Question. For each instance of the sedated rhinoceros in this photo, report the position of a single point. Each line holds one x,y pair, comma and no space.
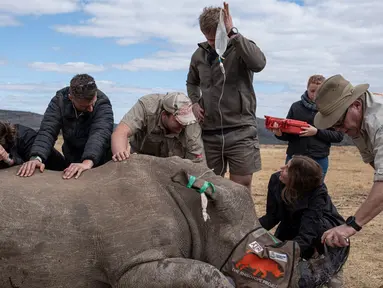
122,224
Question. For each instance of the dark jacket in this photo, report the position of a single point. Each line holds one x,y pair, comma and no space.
317,146
87,136
305,221
20,149
238,104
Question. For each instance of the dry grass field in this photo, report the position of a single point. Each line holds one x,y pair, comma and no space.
349,181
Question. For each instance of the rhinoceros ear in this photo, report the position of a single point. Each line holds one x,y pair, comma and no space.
198,184
181,177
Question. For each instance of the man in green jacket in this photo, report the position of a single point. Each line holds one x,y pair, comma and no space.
225,104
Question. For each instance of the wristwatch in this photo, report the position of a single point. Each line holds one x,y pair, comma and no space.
351,222
233,31
9,159
36,158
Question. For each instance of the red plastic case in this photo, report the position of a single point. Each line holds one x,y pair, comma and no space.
290,126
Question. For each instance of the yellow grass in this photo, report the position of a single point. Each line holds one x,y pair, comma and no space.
349,181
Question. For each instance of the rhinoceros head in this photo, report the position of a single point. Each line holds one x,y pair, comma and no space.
231,216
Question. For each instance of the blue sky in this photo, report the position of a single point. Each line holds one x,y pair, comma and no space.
133,48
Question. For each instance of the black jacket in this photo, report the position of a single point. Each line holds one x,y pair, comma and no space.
87,136
20,149
317,146
305,222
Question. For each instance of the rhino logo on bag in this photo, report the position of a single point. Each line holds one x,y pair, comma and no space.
259,265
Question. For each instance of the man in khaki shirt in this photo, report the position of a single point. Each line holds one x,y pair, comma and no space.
358,113
161,125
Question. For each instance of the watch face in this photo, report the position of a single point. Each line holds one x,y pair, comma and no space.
235,30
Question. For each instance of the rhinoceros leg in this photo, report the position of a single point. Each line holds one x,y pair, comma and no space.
174,272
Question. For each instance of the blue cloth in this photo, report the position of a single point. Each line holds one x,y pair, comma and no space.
323,162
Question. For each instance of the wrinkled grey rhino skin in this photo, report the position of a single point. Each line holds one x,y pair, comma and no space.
119,225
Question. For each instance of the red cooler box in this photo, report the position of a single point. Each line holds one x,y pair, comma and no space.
286,125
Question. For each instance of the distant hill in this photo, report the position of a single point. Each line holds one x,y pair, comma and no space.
29,119
33,120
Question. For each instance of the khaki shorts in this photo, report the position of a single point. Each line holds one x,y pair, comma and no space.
241,151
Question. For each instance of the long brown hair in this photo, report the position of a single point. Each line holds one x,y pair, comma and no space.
304,175
7,134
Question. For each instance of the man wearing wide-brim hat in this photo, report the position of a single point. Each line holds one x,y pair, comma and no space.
358,113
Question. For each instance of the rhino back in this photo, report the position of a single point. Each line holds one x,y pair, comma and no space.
92,227
88,232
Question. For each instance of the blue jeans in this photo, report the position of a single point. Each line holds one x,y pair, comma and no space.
323,162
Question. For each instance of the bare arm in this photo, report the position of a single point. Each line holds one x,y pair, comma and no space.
372,206
120,137
132,121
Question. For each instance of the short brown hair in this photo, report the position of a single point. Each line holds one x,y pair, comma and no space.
304,175
7,134
316,79
208,20
83,86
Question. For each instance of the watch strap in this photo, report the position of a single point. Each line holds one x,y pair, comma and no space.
232,32
351,222
36,158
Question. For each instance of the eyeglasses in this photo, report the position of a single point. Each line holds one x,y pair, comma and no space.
340,122
86,89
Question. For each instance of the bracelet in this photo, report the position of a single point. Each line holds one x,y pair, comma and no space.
8,160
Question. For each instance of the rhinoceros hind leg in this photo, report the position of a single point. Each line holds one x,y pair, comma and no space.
174,272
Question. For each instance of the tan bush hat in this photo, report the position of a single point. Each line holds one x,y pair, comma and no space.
333,98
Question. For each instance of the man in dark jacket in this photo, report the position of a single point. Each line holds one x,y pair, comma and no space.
225,104
85,116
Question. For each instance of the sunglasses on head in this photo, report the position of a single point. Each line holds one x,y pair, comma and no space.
87,88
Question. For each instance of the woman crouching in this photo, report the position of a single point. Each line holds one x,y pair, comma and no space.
15,146
298,200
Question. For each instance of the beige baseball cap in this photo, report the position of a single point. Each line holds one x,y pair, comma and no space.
180,106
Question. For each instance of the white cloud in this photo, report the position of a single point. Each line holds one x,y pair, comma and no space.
110,87
10,9
8,20
38,7
161,61
70,67
17,96
322,37
326,37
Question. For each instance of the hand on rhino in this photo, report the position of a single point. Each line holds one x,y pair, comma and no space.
29,167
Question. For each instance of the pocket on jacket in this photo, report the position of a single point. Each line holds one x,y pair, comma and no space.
248,103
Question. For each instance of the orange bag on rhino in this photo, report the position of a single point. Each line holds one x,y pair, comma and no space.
261,260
